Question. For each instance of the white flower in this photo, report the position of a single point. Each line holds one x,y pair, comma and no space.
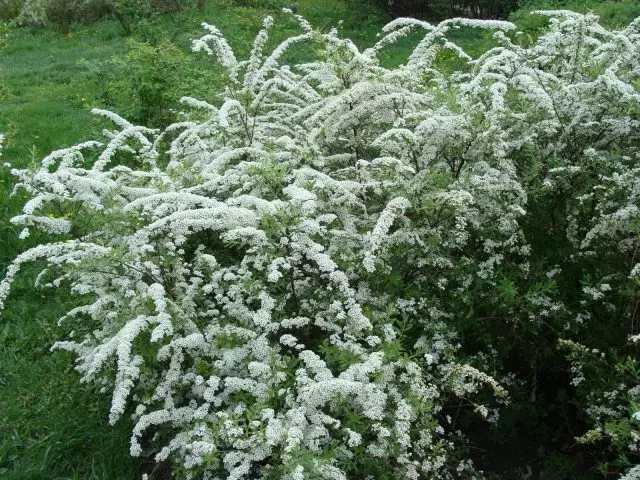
265,277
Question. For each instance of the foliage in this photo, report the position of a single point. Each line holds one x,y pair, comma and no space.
339,258
266,4
612,13
62,14
2,89
438,9
148,81
9,9
32,13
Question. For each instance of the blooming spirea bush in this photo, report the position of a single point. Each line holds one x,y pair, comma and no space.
277,286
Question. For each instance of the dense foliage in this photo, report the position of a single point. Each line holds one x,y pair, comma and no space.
431,9
341,262
147,80
2,89
63,13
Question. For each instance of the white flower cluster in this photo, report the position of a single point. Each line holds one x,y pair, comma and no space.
252,275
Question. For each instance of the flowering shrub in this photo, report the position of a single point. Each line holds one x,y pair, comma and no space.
32,13
300,281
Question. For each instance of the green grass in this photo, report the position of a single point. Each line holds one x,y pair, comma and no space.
51,427
48,93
